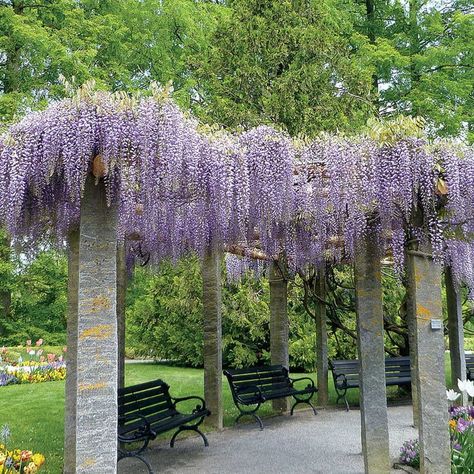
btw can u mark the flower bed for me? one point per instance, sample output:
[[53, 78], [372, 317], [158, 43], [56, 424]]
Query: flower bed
[[21, 461], [461, 429], [33, 367]]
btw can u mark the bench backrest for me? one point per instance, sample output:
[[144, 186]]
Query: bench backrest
[[348, 368], [395, 367], [470, 365], [150, 399], [267, 377]]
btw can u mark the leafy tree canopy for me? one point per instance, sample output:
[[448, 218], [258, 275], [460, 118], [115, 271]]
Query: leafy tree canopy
[[122, 45], [292, 63]]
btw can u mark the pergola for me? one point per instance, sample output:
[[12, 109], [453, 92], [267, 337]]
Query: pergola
[[116, 176]]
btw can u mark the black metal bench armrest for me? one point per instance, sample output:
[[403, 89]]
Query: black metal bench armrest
[[194, 397], [310, 385], [258, 391], [143, 431], [344, 380]]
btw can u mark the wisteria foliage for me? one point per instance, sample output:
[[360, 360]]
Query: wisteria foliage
[[178, 189]]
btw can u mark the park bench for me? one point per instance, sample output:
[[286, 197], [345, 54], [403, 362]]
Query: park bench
[[253, 386], [346, 374], [469, 366], [146, 410]]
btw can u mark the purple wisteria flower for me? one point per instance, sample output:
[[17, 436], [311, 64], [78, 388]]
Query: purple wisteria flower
[[179, 189]]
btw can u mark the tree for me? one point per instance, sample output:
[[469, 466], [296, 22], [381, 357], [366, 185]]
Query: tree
[[122, 45], [423, 55], [293, 63]]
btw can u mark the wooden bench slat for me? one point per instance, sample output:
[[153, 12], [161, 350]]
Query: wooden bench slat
[[263, 369], [258, 376], [262, 381], [142, 386], [132, 405], [142, 395], [152, 409]]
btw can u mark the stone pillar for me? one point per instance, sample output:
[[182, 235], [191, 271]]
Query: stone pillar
[[278, 324], [121, 294], [212, 302], [455, 330], [97, 361], [71, 355], [411, 325], [321, 340], [430, 373], [370, 335]]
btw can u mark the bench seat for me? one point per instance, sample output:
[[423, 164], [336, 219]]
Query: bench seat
[[146, 410], [253, 386]]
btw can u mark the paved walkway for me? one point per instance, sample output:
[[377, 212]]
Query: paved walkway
[[325, 444]]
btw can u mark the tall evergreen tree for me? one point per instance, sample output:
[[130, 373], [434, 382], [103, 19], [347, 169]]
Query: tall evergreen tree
[[294, 63]]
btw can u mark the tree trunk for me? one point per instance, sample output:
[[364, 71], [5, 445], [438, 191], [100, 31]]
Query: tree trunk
[[414, 8], [371, 33]]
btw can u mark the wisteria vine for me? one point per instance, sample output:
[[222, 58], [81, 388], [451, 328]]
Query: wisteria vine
[[179, 189]]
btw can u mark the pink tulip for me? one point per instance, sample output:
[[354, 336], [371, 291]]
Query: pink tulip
[[64, 349], [51, 357], [39, 342]]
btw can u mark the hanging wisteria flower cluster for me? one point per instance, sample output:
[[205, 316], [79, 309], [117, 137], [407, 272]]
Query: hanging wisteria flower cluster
[[179, 189]]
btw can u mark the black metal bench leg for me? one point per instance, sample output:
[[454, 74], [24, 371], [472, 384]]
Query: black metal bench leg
[[346, 402], [342, 396], [141, 458], [173, 438], [189, 428], [203, 436], [257, 418], [307, 402]]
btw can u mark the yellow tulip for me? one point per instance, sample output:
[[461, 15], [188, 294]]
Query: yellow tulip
[[38, 459]]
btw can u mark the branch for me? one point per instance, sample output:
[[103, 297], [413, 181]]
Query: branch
[[452, 66], [254, 253]]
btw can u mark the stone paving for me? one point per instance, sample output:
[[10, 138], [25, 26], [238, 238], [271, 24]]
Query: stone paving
[[325, 444]]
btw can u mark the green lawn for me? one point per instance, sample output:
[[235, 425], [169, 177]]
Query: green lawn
[[35, 412]]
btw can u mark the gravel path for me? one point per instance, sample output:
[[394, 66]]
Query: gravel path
[[327, 443]]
